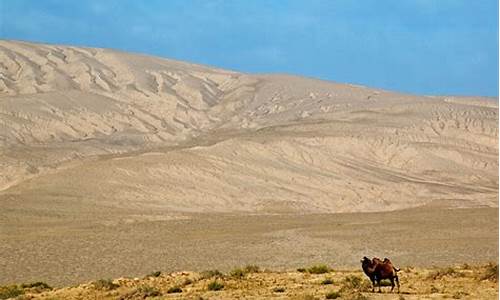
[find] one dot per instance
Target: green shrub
(319, 269)
(174, 289)
(385, 282)
(105, 284)
(211, 274)
(215, 286)
(279, 289)
(154, 274)
(327, 281)
(10, 291)
(332, 295)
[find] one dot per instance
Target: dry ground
(464, 282)
(71, 252)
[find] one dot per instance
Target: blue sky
(416, 46)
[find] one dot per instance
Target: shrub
(10, 291)
(279, 290)
(37, 287)
(327, 281)
(188, 281)
(148, 291)
(251, 269)
(332, 295)
(352, 282)
(211, 274)
(154, 274)
(215, 286)
(105, 284)
(239, 273)
(174, 289)
(491, 273)
(319, 269)
(301, 270)
(385, 282)
(440, 273)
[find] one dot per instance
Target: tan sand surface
(105, 154)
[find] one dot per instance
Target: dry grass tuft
(319, 269)
(215, 286)
(105, 285)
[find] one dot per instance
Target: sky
(429, 47)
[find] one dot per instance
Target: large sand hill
(93, 137)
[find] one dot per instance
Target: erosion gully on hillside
(115, 164)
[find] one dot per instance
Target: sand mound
(117, 130)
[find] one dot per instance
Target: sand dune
(115, 164)
(123, 130)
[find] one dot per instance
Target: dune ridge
(118, 130)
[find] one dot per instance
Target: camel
(377, 270)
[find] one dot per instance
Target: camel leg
(378, 283)
(397, 281)
(392, 284)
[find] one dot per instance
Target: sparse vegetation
(242, 272)
(36, 287)
(105, 285)
(148, 291)
(301, 270)
(350, 285)
(174, 289)
(237, 273)
(319, 269)
(251, 269)
(490, 273)
(154, 274)
(10, 291)
(440, 273)
(332, 295)
(215, 286)
(352, 282)
(211, 274)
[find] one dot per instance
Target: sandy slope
(121, 130)
(114, 163)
